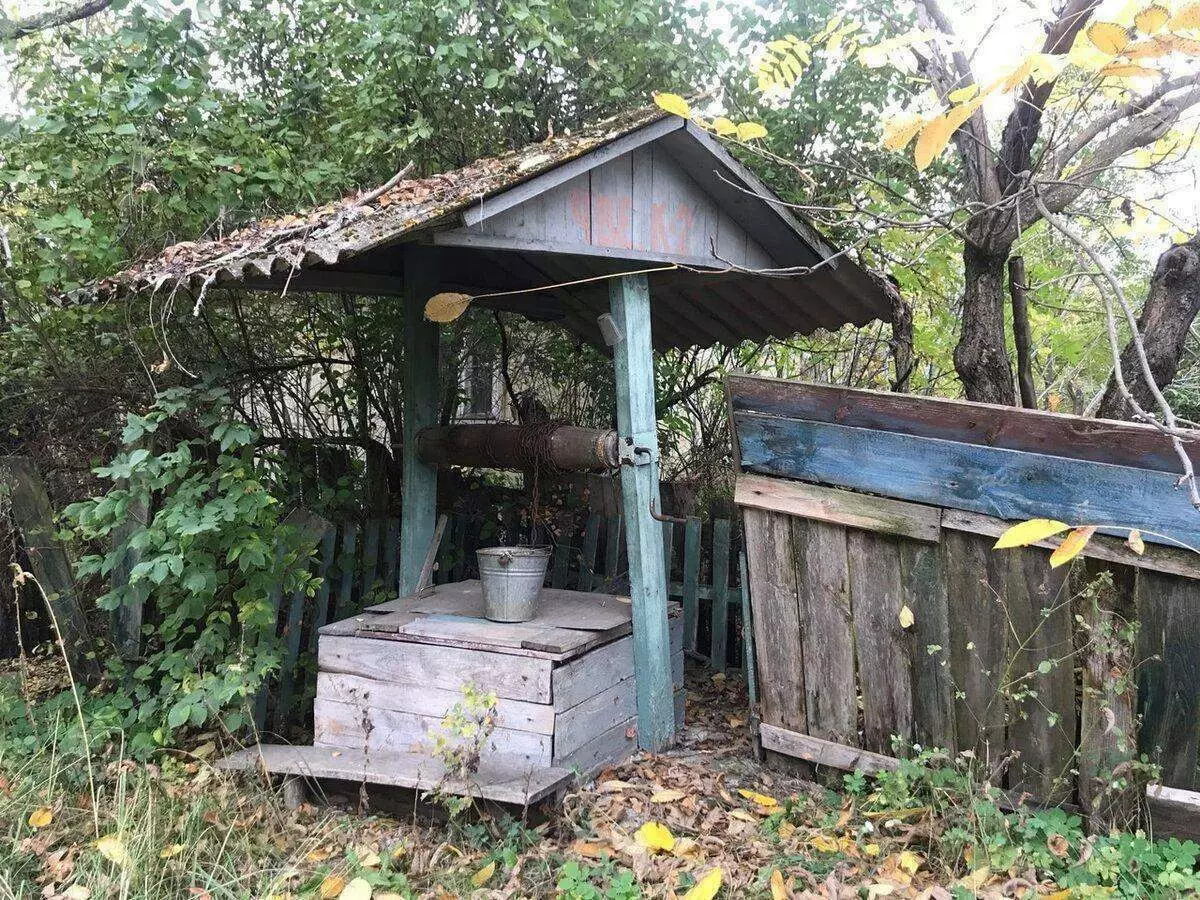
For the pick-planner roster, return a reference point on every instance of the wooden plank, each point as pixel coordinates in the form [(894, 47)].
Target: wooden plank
[(514, 715), (1009, 484), (369, 577), (748, 659), (1172, 560), (691, 581), (586, 676), (1174, 812), (1075, 437), (34, 517), (923, 580), (321, 607), (291, 656), (599, 713), (507, 675), (812, 501), (346, 567), (975, 582), (498, 779), (1168, 659), (1041, 705), (607, 749), (421, 394), (719, 612), (388, 730), (612, 550), (426, 577), (823, 588), (824, 753), (668, 532), (884, 658), (777, 630), (587, 561), (481, 634), (391, 555), (633, 364)]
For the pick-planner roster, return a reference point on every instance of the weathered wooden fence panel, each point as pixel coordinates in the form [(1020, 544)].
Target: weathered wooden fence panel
[(883, 617)]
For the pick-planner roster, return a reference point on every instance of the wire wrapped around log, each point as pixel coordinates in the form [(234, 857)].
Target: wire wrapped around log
[(547, 446)]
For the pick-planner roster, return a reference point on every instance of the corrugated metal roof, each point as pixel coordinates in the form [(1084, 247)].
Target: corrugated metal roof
[(348, 246)]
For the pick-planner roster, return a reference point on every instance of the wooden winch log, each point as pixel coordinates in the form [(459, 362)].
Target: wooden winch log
[(519, 447)]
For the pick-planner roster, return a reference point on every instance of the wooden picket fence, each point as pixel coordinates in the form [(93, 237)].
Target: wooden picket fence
[(357, 565)]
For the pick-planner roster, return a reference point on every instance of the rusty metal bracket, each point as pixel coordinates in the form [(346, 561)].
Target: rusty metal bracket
[(663, 517)]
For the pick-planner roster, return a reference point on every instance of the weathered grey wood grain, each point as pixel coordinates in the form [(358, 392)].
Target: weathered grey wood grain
[(499, 779), (1168, 660), (824, 753), (506, 675), (584, 677), (812, 501), (975, 584), (388, 730), (823, 588), (48, 562), (923, 580), (576, 726), (516, 715), (1041, 705), (777, 640), (884, 664), (606, 749)]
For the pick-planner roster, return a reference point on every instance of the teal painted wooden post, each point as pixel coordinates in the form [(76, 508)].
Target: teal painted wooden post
[(633, 360), (418, 511)]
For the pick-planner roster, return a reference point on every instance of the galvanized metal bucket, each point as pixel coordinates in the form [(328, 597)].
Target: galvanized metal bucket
[(511, 579)]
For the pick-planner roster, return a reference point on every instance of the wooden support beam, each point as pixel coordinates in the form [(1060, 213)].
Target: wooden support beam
[(633, 360), (419, 492)]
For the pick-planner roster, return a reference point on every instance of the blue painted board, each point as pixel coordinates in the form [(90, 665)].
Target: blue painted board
[(1008, 484)]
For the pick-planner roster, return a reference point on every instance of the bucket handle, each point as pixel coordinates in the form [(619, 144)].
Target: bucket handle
[(505, 559)]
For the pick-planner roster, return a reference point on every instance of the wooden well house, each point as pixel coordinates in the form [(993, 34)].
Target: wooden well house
[(640, 234)]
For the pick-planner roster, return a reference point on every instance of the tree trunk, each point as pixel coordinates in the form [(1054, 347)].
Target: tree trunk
[(981, 357), (1171, 305), (1022, 335)]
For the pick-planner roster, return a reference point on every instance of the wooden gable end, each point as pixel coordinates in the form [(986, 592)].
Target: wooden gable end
[(642, 204)]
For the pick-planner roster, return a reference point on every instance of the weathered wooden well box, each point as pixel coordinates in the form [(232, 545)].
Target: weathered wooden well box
[(563, 681)]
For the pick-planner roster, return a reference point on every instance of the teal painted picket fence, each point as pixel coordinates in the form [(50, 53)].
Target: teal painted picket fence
[(357, 564)]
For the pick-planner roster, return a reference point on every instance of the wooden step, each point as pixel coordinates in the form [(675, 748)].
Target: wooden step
[(499, 779)]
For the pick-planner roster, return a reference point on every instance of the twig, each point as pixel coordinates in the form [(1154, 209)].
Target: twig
[(1169, 425)]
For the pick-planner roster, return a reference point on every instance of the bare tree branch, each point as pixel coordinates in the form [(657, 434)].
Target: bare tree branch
[(11, 29)]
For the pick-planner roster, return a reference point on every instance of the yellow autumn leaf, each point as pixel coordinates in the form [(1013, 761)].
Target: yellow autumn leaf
[(1029, 532), (667, 796), (786, 830), (1187, 17), (742, 816), (779, 889), (1128, 70), (1186, 46), (480, 878), (673, 103), (1135, 543), (331, 887), (706, 888), (1071, 546), (823, 844), (932, 141), (357, 889), (749, 131), (901, 128), (1108, 37), (909, 862), (976, 879), (655, 836), (1151, 48), (446, 307), (41, 817), (871, 850), (113, 849), (760, 799), (723, 126), (170, 850), (1152, 18), (906, 617), (963, 94)]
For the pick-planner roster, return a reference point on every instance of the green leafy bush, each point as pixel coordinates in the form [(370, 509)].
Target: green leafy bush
[(205, 561)]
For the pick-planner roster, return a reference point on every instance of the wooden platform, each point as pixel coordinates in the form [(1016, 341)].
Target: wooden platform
[(499, 779)]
